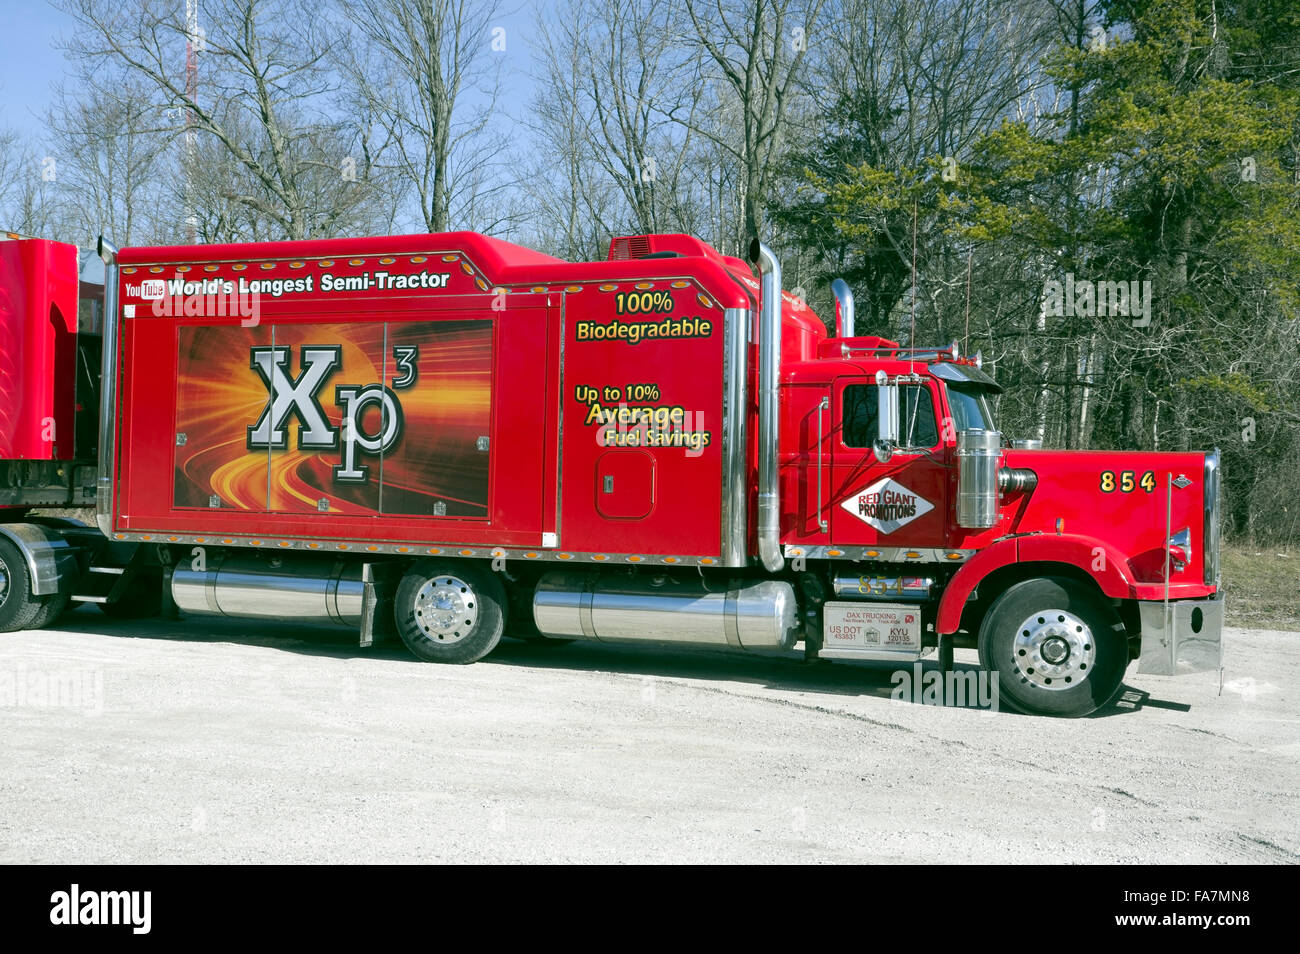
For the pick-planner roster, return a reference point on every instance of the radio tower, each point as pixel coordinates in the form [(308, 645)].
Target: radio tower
[(191, 134)]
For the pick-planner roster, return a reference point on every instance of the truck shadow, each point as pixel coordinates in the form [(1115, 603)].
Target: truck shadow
[(781, 673)]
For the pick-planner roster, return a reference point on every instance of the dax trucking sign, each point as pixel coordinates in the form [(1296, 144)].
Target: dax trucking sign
[(871, 630), (356, 418)]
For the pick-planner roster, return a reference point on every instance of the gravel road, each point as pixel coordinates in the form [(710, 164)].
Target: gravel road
[(234, 741)]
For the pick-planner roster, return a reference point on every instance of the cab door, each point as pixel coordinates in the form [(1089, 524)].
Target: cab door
[(900, 503)]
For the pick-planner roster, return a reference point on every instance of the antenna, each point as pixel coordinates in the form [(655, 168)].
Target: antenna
[(191, 134), (911, 339)]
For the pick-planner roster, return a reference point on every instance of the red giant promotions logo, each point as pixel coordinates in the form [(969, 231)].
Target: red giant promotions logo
[(886, 505)]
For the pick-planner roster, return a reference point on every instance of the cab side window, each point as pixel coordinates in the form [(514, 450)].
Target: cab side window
[(917, 425)]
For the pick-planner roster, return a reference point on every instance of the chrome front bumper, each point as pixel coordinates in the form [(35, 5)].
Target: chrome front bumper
[(1189, 639)]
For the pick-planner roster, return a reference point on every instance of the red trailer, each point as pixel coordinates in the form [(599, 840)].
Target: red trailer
[(461, 438)]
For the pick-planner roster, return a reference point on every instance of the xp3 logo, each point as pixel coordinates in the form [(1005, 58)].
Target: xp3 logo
[(298, 397)]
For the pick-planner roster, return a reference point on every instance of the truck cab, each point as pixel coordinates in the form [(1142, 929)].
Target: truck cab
[(898, 490)]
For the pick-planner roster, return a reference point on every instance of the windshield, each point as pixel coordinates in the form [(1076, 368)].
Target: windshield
[(971, 407)]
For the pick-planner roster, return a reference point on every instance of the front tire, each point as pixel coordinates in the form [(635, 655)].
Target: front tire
[(1058, 648), (449, 612)]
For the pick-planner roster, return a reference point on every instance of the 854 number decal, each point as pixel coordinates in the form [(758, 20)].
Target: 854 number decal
[(1126, 481)]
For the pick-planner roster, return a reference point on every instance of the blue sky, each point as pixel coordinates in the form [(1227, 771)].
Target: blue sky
[(32, 65)]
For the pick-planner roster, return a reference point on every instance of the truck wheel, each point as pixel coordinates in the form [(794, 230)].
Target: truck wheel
[(448, 612), (51, 610), (1057, 648), (19, 609)]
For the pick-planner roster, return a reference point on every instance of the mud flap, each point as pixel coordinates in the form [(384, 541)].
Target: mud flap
[(1190, 640)]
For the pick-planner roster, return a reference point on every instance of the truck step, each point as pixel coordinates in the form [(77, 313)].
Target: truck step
[(103, 584)]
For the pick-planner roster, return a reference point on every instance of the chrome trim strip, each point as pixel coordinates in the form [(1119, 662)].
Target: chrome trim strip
[(467, 551), (108, 390), (1213, 515), (822, 406), (769, 425), (735, 403), (559, 442), (858, 554)]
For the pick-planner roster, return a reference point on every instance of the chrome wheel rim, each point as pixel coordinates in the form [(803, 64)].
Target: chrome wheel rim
[(446, 609), (1054, 650), (4, 582)]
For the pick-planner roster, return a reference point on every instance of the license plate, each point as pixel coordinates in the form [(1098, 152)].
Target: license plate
[(872, 627)]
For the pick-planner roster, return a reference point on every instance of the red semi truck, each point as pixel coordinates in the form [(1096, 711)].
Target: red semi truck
[(457, 438)]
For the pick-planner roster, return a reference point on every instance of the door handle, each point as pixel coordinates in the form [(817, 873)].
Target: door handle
[(821, 520)]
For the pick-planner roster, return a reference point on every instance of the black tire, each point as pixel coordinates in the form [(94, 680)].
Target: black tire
[(19, 608), (52, 608), (1057, 647), (449, 612), (141, 600)]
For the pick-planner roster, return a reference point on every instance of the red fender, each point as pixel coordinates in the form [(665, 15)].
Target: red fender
[(1102, 562)]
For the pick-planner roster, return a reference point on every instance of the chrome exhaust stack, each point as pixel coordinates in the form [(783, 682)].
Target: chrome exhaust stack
[(769, 380), (108, 391), (843, 308)]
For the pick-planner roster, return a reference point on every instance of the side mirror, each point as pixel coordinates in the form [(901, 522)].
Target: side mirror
[(886, 418)]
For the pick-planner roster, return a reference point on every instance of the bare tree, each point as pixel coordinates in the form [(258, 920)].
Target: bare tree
[(756, 48), (425, 72), (573, 203), (111, 148), (264, 86), (28, 184)]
